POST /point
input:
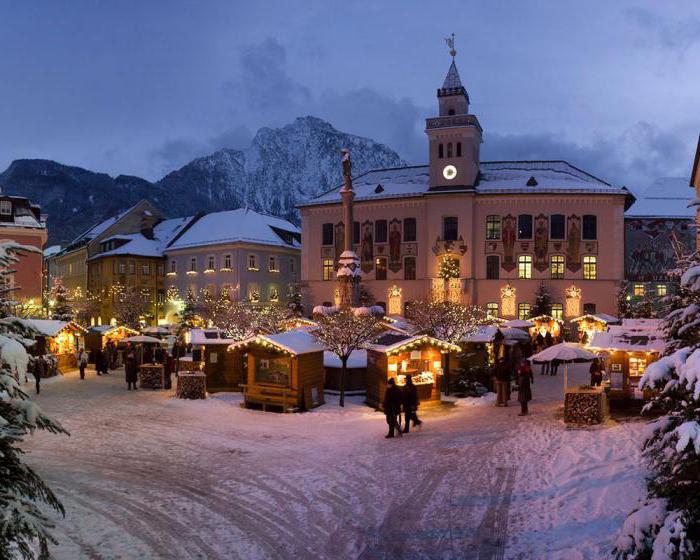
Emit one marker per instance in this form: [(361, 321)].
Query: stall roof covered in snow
[(393, 342), (600, 317), (209, 336), (667, 197), (357, 360), (140, 245), (239, 226), (633, 335), (50, 327), (487, 334), (495, 177), (104, 329), (296, 341)]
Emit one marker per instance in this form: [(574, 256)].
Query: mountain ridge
[(279, 169)]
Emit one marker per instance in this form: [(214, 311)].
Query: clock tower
[(454, 137)]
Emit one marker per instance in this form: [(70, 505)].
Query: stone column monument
[(348, 272)]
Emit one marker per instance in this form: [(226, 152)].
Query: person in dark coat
[(554, 367), (548, 340), (168, 370), (539, 342), (147, 355), (110, 353), (99, 361), (392, 407), (503, 370), (410, 405), (39, 371), (82, 362), (596, 371), (525, 380), (131, 368)]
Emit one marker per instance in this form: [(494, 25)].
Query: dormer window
[(5, 208)]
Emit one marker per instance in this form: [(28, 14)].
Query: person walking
[(392, 407), (99, 358), (596, 371), (525, 380), (410, 405), (554, 367), (82, 362), (502, 382), (39, 371), (131, 369)]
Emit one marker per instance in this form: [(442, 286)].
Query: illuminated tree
[(543, 302), (449, 268), (624, 308), (131, 304), (344, 331), (86, 305), (61, 309)]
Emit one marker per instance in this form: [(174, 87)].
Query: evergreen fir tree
[(449, 268), (624, 307), (25, 527), (543, 302), (667, 525), (295, 301), (61, 310), (188, 317)]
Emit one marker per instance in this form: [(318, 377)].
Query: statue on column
[(348, 272)]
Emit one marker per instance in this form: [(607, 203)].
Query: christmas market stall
[(223, 369), (546, 324), (285, 370), (592, 323), (355, 374), (98, 336), (62, 339), (627, 350), (488, 343), (394, 355)]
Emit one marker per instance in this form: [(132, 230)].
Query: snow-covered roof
[(50, 327), (518, 324), (138, 244), (296, 341), (634, 335), (601, 317), (399, 323), (104, 329), (357, 359), (496, 177), (209, 336), (666, 197), (395, 342), (100, 228), (487, 334), (241, 225), (50, 251)]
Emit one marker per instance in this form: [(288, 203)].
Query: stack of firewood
[(585, 407), (191, 386)]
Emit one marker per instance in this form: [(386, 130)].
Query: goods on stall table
[(191, 386)]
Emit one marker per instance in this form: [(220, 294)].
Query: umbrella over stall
[(565, 352)]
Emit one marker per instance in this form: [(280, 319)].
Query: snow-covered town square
[(363, 281)]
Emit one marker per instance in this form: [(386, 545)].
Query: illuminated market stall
[(394, 355), (546, 324), (285, 370), (627, 350), (60, 338), (98, 336), (223, 368), (592, 323)]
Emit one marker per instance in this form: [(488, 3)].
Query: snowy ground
[(144, 475)]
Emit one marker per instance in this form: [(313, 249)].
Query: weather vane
[(451, 44)]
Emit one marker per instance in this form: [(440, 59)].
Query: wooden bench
[(266, 396)]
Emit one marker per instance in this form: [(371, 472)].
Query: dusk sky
[(143, 87)]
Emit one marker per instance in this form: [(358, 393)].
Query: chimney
[(148, 222)]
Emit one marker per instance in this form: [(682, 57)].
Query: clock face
[(449, 172)]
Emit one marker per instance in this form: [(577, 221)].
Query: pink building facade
[(505, 227)]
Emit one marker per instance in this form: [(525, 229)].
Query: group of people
[(397, 400), (105, 359), (523, 377), (542, 343)]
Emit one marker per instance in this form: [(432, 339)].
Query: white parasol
[(143, 339), (566, 352)]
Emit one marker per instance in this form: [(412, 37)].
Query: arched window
[(449, 149), (441, 151), (451, 112), (459, 149)]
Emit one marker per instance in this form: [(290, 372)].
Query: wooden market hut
[(395, 355), (547, 324), (285, 370), (224, 369), (591, 323), (627, 350), (355, 374), (60, 338), (98, 336)]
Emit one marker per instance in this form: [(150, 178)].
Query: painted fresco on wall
[(541, 242), (573, 245), (339, 240), (367, 247), (508, 237), (651, 245), (395, 245)]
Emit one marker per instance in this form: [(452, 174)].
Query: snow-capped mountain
[(280, 168)]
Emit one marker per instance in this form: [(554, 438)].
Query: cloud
[(634, 158), (674, 35)]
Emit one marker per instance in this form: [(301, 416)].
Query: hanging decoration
[(573, 301), (508, 301), (394, 299)]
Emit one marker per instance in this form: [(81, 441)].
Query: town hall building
[(488, 233)]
